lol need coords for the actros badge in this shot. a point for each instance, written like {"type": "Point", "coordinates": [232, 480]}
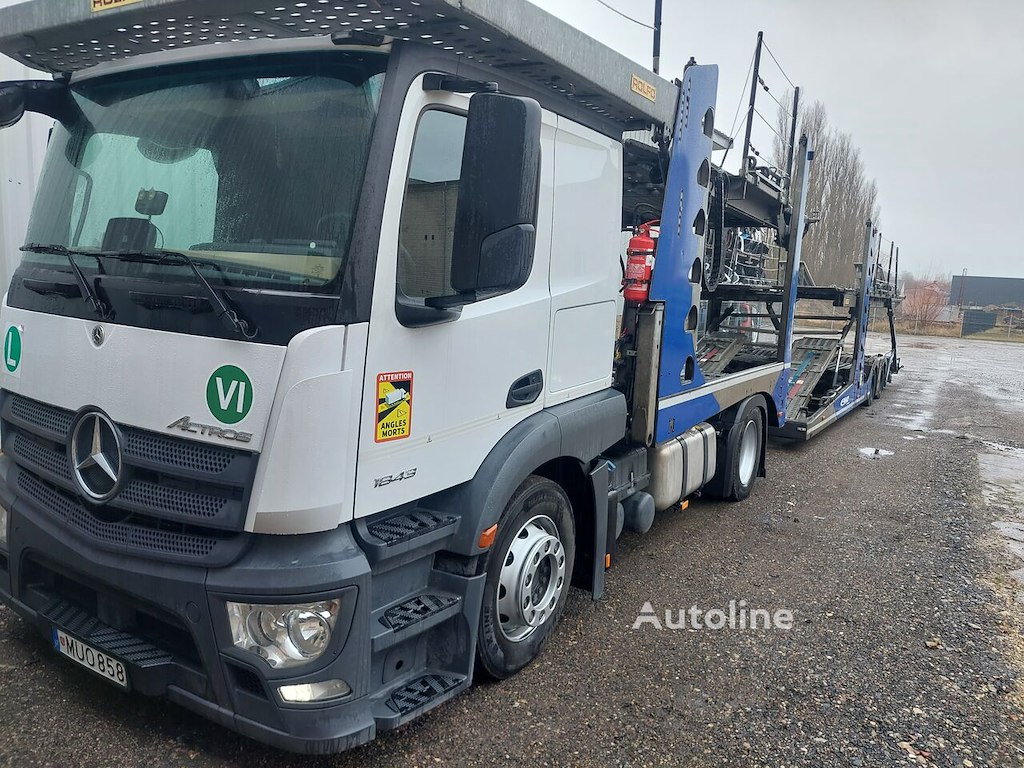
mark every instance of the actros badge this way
{"type": "Point", "coordinates": [185, 424]}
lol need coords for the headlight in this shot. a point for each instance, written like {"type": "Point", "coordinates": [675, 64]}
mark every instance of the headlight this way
{"type": "Point", "coordinates": [3, 526]}
{"type": "Point", "coordinates": [284, 635]}
{"type": "Point", "coordinates": [308, 693]}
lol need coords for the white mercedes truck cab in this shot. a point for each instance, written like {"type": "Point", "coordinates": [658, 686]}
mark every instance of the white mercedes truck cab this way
{"type": "Point", "coordinates": [298, 322]}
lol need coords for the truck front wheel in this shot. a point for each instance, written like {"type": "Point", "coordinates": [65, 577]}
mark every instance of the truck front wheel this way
{"type": "Point", "coordinates": [528, 573]}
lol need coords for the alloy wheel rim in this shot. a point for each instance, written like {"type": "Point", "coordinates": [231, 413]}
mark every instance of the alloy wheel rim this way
{"type": "Point", "coordinates": [531, 580]}
{"type": "Point", "coordinates": [748, 452]}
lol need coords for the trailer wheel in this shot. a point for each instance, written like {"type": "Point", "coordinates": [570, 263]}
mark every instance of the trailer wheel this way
{"type": "Point", "coordinates": [528, 573]}
{"type": "Point", "coordinates": [872, 393]}
{"type": "Point", "coordinates": [739, 456]}
{"type": "Point", "coordinates": [886, 373]}
{"type": "Point", "coordinates": [876, 383]}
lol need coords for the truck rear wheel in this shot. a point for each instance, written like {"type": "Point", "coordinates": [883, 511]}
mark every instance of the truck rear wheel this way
{"type": "Point", "coordinates": [528, 573]}
{"type": "Point", "coordinates": [739, 455]}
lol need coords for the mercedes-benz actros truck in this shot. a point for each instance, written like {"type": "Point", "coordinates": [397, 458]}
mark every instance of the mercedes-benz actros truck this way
{"type": "Point", "coordinates": [319, 386]}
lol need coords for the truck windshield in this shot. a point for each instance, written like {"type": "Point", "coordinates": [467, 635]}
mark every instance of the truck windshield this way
{"type": "Point", "coordinates": [253, 166]}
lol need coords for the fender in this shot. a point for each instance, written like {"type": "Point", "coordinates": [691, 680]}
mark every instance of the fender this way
{"type": "Point", "coordinates": [580, 429]}
{"type": "Point", "coordinates": [728, 419]}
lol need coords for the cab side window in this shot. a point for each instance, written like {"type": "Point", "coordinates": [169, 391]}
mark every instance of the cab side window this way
{"type": "Point", "coordinates": [428, 213]}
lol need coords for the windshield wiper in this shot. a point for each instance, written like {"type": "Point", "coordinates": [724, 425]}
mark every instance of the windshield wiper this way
{"type": "Point", "coordinates": [88, 293]}
{"type": "Point", "coordinates": [225, 313]}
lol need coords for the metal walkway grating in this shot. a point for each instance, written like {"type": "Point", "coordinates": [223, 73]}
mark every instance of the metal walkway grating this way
{"type": "Point", "coordinates": [416, 610]}
{"type": "Point", "coordinates": [408, 525]}
{"type": "Point", "coordinates": [130, 648]}
{"type": "Point", "coordinates": [812, 359]}
{"type": "Point", "coordinates": [716, 350]}
{"type": "Point", "coordinates": [422, 691]}
{"type": "Point", "coordinates": [66, 35]}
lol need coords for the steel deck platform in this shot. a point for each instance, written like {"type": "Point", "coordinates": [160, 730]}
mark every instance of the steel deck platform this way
{"type": "Point", "coordinates": [717, 350]}
{"type": "Point", "coordinates": [68, 35]}
{"type": "Point", "coordinates": [812, 359]}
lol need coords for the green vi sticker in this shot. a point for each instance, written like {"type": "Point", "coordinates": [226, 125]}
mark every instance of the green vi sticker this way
{"type": "Point", "coordinates": [12, 349]}
{"type": "Point", "coordinates": [229, 394]}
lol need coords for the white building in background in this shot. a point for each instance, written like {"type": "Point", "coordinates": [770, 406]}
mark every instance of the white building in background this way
{"type": "Point", "coordinates": [21, 158]}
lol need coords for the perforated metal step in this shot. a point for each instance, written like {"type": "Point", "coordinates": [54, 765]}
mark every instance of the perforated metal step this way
{"type": "Point", "coordinates": [119, 644]}
{"type": "Point", "coordinates": [422, 691]}
{"type": "Point", "coordinates": [399, 528]}
{"type": "Point", "coordinates": [68, 35]}
{"type": "Point", "coordinates": [415, 610]}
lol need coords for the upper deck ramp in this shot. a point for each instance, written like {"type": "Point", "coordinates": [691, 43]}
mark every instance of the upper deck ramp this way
{"type": "Point", "coordinates": [69, 35]}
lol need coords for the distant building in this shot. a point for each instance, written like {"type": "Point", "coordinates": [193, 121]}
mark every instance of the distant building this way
{"type": "Point", "coordinates": [934, 293]}
{"type": "Point", "coordinates": [974, 291]}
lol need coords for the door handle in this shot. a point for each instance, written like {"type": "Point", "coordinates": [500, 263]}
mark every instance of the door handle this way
{"type": "Point", "coordinates": [525, 390]}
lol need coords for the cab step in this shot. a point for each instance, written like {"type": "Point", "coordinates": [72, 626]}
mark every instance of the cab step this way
{"type": "Point", "coordinates": [410, 525]}
{"type": "Point", "coordinates": [416, 696]}
{"type": "Point", "coordinates": [90, 629]}
{"type": "Point", "coordinates": [412, 530]}
{"type": "Point", "coordinates": [414, 616]}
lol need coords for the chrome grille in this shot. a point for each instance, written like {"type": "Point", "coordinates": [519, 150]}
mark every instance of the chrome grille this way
{"type": "Point", "coordinates": [180, 499]}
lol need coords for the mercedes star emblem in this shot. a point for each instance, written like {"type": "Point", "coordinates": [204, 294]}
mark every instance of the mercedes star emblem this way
{"type": "Point", "coordinates": [95, 454]}
{"type": "Point", "coordinates": [98, 336]}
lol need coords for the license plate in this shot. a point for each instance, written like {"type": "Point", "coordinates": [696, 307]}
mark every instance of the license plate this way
{"type": "Point", "coordinates": [97, 661]}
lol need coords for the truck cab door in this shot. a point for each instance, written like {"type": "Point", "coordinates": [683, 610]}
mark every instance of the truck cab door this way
{"type": "Point", "coordinates": [439, 373]}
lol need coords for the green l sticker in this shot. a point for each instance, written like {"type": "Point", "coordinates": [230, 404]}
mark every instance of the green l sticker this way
{"type": "Point", "coordinates": [12, 349]}
{"type": "Point", "coordinates": [229, 394]}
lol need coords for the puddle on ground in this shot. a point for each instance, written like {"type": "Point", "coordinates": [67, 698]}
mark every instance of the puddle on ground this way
{"type": "Point", "coordinates": [874, 453]}
{"type": "Point", "coordinates": [1012, 531]}
{"type": "Point", "coordinates": [918, 420]}
{"type": "Point", "coordinates": [1002, 486]}
{"type": "Point", "coordinates": [1002, 476]}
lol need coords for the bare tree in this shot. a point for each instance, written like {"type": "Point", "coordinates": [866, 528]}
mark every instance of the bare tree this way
{"type": "Point", "coordinates": [924, 299]}
{"type": "Point", "coordinates": [838, 190]}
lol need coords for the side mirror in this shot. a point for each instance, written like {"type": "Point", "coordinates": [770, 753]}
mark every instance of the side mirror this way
{"type": "Point", "coordinates": [12, 104]}
{"type": "Point", "coordinates": [46, 97]}
{"type": "Point", "coordinates": [496, 218]}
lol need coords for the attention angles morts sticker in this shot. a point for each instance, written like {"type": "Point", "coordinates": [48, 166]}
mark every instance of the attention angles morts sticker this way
{"type": "Point", "coordinates": [394, 406]}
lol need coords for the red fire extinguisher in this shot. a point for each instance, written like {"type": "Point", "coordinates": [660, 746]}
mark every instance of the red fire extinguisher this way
{"type": "Point", "coordinates": [640, 263]}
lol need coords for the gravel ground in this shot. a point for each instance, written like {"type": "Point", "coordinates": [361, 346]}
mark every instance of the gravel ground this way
{"type": "Point", "coordinates": [905, 647]}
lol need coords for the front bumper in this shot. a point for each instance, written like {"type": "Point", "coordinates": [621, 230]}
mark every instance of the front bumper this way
{"type": "Point", "coordinates": [167, 623]}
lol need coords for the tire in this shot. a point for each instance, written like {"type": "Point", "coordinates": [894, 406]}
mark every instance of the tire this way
{"type": "Point", "coordinates": [529, 569]}
{"type": "Point", "coordinates": [876, 383]}
{"type": "Point", "coordinates": [739, 455]}
{"type": "Point", "coordinates": [872, 390]}
{"type": "Point", "coordinates": [886, 374]}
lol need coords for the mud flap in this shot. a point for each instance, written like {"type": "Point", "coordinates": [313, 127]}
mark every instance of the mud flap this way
{"type": "Point", "coordinates": [602, 526]}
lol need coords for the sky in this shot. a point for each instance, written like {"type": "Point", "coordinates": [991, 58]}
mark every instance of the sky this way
{"type": "Point", "coordinates": [932, 91]}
